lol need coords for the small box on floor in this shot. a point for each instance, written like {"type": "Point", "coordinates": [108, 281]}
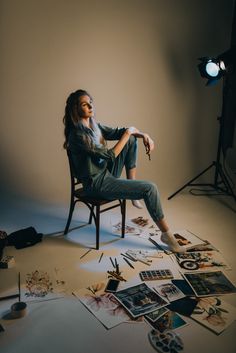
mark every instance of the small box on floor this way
{"type": "Point", "coordinates": [7, 262]}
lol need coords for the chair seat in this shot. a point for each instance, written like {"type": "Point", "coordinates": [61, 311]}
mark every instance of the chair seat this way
{"type": "Point", "coordinates": [79, 193]}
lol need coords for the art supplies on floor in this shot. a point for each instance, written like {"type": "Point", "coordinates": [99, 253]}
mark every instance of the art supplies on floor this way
{"type": "Point", "coordinates": [165, 342]}
{"type": "Point", "coordinates": [153, 275]}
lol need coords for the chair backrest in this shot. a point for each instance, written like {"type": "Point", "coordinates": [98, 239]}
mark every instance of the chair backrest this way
{"type": "Point", "coordinates": [74, 180]}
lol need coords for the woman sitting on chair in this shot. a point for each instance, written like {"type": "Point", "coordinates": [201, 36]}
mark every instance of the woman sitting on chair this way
{"type": "Point", "coordinates": [99, 167]}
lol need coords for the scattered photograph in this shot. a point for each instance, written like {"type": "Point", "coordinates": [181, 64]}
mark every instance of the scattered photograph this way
{"type": "Point", "coordinates": [184, 238]}
{"type": "Point", "coordinates": [129, 229]}
{"type": "Point", "coordinates": [154, 315]}
{"type": "Point", "coordinates": [209, 283]}
{"type": "Point", "coordinates": [140, 221]}
{"type": "Point", "coordinates": [169, 291]}
{"type": "Point", "coordinates": [40, 285]}
{"type": "Point", "coordinates": [206, 246]}
{"type": "Point", "coordinates": [168, 321]}
{"type": "Point", "coordinates": [214, 313]}
{"type": "Point", "coordinates": [203, 260]}
{"type": "Point", "coordinates": [102, 305]}
{"type": "Point", "coordinates": [187, 239]}
{"type": "Point", "coordinates": [140, 300]}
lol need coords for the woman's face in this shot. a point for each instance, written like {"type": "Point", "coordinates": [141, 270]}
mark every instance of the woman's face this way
{"type": "Point", "coordinates": [85, 107]}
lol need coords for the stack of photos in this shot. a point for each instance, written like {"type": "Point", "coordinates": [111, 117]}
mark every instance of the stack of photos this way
{"type": "Point", "coordinates": [209, 283]}
{"type": "Point", "coordinates": [214, 313]}
{"type": "Point", "coordinates": [140, 300]}
{"type": "Point", "coordinates": [203, 260]}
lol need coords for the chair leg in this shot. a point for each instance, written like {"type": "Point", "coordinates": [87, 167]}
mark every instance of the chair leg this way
{"type": "Point", "coordinates": [123, 213]}
{"type": "Point", "coordinates": [72, 206]}
{"type": "Point", "coordinates": [97, 226]}
{"type": "Point", "coordinates": [91, 215]}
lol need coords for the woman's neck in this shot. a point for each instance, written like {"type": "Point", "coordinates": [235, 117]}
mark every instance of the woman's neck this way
{"type": "Point", "coordinates": [86, 122]}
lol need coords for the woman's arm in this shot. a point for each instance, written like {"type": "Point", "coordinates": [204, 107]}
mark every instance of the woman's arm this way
{"type": "Point", "coordinates": [124, 139]}
{"type": "Point", "coordinates": [147, 141]}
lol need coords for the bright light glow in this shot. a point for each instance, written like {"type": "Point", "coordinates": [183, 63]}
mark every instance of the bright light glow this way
{"type": "Point", "coordinates": [222, 65]}
{"type": "Point", "coordinates": [212, 69]}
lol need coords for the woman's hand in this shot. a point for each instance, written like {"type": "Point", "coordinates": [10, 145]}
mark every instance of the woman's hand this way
{"type": "Point", "coordinates": [148, 143]}
{"type": "Point", "coordinates": [132, 130]}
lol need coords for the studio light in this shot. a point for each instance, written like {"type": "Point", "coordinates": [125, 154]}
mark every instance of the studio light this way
{"type": "Point", "coordinates": [212, 69]}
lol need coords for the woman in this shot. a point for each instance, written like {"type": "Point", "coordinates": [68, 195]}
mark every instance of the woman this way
{"type": "Point", "coordinates": [99, 167]}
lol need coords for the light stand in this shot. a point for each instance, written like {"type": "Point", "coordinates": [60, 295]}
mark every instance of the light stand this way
{"type": "Point", "coordinates": [221, 183]}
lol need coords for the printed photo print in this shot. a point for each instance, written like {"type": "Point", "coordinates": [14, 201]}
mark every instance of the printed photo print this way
{"type": "Point", "coordinates": [209, 283]}
{"type": "Point", "coordinates": [140, 300]}
{"type": "Point", "coordinates": [169, 321]}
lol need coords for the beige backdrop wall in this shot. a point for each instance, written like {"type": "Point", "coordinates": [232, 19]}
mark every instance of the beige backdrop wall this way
{"type": "Point", "coordinates": [137, 58]}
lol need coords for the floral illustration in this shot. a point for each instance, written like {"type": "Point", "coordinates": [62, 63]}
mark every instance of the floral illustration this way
{"type": "Point", "coordinates": [38, 284]}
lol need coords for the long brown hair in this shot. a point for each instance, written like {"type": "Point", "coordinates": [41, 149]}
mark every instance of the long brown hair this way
{"type": "Point", "coordinates": [71, 120]}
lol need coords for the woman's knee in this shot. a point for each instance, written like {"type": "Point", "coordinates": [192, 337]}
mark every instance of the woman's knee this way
{"type": "Point", "coordinates": [132, 141]}
{"type": "Point", "coordinates": [152, 187]}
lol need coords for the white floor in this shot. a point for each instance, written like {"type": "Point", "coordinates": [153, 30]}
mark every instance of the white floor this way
{"type": "Point", "coordinates": [65, 325]}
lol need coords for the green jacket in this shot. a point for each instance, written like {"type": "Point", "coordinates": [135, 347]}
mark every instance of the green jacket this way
{"type": "Point", "coordinates": [88, 162]}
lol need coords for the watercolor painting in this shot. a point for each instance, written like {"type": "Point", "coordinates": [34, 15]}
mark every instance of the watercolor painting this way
{"type": "Point", "coordinates": [102, 305]}
{"type": "Point", "coordinates": [214, 313]}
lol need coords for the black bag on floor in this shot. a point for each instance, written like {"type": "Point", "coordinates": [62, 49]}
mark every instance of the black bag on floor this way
{"type": "Point", "coordinates": [24, 237]}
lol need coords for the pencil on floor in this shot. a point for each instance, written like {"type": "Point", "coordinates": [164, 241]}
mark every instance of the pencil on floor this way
{"type": "Point", "coordinates": [100, 258]}
{"type": "Point", "coordinates": [85, 253]}
{"type": "Point", "coordinates": [112, 262]}
{"type": "Point", "coordinates": [127, 261]}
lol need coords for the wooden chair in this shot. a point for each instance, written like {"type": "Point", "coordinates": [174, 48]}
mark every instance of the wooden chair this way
{"type": "Point", "coordinates": [77, 195]}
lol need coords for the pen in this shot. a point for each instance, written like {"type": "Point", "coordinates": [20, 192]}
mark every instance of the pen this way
{"type": "Point", "coordinates": [100, 258]}
{"type": "Point", "coordinates": [117, 266]}
{"type": "Point", "coordinates": [85, 253]}
{"type": "Point", "coordinates": [128, 257]}
{"type": "Point", "coordinates": [112, 262]}
{"type": "Point", "coordinates": [130, 265]}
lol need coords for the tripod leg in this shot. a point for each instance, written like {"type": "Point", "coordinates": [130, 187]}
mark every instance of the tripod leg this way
{"type": "Point", "coordinates": [225, 181]}
{"type": "Point", "coordinates": [190, 182]}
